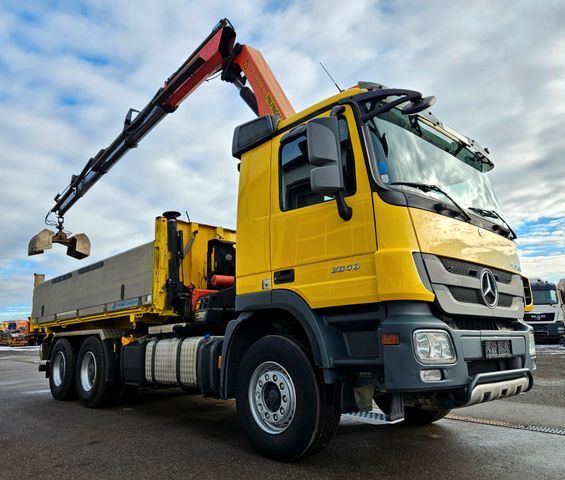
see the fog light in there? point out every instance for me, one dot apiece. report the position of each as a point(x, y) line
point(532, 344)
point(433, 347)
point(430, 375)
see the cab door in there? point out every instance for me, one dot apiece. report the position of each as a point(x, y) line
point(326, 260)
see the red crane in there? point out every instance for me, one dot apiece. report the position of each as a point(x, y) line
point(218, 53)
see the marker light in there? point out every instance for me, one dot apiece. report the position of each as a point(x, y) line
point(532, 343)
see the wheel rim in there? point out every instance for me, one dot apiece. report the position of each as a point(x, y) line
point(59, 369)
point(88, 371)
point(272, 398)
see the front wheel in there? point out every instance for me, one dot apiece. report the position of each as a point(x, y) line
point(285, 408)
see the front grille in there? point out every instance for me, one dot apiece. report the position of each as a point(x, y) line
point(475, 367)
point(466, 295)
point(504, 300)
point(470, 295)
point(539, 317)
point(469, 269)
point(474, 323)
point(457, 284)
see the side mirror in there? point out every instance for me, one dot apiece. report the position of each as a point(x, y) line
point(419, 105)
point(324, 151)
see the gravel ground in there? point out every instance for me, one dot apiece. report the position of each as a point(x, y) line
point(171, 435)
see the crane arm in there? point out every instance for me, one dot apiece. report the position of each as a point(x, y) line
point(237, 63)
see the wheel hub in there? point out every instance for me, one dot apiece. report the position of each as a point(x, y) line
point(59, 369)
point(88, 371)
point(272, 397)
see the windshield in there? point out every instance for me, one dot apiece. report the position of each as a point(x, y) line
point(545, 297)
point(408, 150)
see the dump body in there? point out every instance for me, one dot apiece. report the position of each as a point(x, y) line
point(121, 282)
point(127, 287)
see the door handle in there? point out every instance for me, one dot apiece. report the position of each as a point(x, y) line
point(284, 276)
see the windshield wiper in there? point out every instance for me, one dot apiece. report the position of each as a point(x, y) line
point(494, 214)
point(426, 187)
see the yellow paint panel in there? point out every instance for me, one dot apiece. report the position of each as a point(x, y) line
point(253, 261)
point(194, 265)
point(251, 283)
point(313, 240)
point(394, 226)
point(398, 278)
point(160, 263)
point(321, 288)
point(440, 235)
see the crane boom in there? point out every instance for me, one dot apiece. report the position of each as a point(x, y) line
point(217, 53)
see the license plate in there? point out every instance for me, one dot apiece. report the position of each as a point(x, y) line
point(497, 348)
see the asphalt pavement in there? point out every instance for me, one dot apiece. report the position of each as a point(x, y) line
point(168, 434)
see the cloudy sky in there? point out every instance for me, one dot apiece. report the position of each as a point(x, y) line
point(69, 71)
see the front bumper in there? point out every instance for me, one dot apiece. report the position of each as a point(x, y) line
point(548, 331)
point(492, 386)
point(472, 376)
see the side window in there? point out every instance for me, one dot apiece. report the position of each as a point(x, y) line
point(294, 171)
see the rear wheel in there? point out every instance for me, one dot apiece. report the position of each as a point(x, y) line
point(285, 409)
point(92, 390)
point(62, 370)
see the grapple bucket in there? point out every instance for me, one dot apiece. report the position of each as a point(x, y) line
point(78, 246)
point(41, 242)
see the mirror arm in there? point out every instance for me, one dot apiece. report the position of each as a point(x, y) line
point(344, 210)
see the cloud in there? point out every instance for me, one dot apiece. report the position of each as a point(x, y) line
point(70, 70)
point(545, 267)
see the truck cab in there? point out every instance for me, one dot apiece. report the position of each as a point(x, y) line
point(546, 316)
point(419, 291)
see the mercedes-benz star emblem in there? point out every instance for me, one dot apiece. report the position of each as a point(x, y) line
point(489, 290)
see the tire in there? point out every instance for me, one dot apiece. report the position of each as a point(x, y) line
point(92, 390)
point(413, 415)
point(62, 370)
point(310, 412)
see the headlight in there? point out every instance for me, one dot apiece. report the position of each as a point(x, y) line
point(433, 347)
point(532, 344)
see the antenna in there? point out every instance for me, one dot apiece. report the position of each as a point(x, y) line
point(331, 78)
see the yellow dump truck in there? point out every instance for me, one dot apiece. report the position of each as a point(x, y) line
point(371, 265)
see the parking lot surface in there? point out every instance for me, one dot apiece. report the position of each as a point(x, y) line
point(169, 434)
